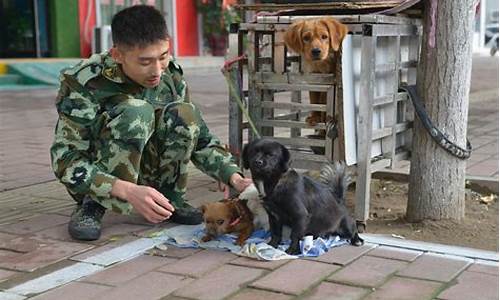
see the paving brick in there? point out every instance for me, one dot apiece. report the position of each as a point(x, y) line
point(59, 233)
point(128, 270)
point(7, 254)
point(74, 291)
point(153, 285)
point(253, 294)
point(344, 254)
point(46, 253)
point(490, 148)
point(6, 274)
point(472, 285)
point(219, 283)
point(368, 271)
point(395, 253)
point(485, 168)
point(330, 290)
point(435, 267)
point(398, 288)
point(177, 252)
point(483, 268)
point(199, 263)
point(121, 229)
point(295, 277)
point(35, 224)
point(261, 264)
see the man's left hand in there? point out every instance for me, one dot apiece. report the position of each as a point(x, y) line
point(239, 183)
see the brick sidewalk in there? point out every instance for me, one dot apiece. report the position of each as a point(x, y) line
point(41, 245)
point(34, 211)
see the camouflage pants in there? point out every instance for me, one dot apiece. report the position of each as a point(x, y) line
point(149, 146)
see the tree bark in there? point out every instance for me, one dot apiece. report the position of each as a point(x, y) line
point(437, 179)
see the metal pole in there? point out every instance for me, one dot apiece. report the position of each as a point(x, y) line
point(37, 29)
point(98, 17)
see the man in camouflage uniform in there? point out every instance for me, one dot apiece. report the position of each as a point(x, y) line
point(127, 130)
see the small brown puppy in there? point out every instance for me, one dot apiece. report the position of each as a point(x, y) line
point(227, 216)
point(318, 42)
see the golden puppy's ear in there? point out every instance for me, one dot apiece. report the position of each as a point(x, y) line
point(337, 32)
point(293, 37)
point(203, 208)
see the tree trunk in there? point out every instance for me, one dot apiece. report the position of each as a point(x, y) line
point(437, 179)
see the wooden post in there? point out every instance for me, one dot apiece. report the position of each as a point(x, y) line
point(364, 124)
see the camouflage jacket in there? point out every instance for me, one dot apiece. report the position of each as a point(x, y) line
point(83, 91)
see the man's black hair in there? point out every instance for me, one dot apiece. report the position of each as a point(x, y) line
point(139, 25)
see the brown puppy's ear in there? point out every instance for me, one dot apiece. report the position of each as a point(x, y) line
point(337, 32)
point(203, 208)
point(293, 36)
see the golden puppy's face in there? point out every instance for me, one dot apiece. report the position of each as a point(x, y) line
point(218, 216)
point(314, 38)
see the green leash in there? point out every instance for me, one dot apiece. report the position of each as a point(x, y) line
point(234, 83)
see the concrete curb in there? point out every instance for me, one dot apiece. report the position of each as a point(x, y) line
point(472, 253)
point(480, 184)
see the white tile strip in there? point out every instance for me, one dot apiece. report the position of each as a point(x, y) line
point(54, 279)
point(121, 253)
point(431, 247)
point(9, 296)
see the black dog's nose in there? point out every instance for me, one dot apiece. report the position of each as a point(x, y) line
point(259, 162)
point(316, 52)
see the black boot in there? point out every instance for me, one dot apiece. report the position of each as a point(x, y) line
point(187, 215)
point(85, 222)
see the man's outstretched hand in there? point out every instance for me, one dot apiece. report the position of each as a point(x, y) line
point(150, 203)
point(239, 183)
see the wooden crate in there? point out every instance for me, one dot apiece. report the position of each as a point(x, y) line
point(370, 120)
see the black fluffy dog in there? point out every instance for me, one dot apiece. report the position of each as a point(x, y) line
point(307, 206)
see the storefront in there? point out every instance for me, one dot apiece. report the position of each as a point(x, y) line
point(62, 28)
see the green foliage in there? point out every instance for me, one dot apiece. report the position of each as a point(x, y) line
point(216, 20)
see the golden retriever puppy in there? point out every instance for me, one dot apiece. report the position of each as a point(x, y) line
point(316, 40)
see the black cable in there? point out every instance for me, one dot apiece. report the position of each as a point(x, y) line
point(435, 133)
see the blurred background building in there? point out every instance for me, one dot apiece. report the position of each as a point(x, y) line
point(76, 28)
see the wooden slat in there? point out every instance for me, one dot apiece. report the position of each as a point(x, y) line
point(291, 116)
point(299, 141)
point(381, 133)
point(311, 78)
point(300, 155)
point(294, 78)
point(388, 131)
point(364, 127)
point(394, 30)
point(330, 114)
point(291, 124)
point(293, 87)
point(384, 100)
point(380, 164)
point(292, 105)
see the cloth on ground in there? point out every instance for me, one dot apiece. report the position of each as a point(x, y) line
point(189, 236)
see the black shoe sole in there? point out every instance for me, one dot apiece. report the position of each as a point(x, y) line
point(84, 235)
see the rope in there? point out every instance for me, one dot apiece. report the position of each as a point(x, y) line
point(234, 83)
point(434, 132)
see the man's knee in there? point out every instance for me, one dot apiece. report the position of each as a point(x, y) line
point(132, 119)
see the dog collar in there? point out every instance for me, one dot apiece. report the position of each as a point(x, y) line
point(235, 222)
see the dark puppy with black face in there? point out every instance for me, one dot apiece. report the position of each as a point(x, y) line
point(308, 206)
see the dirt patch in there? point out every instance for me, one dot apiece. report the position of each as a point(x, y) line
point(388, 201)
